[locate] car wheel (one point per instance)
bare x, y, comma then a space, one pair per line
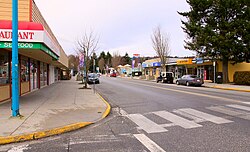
177, 82
187, 83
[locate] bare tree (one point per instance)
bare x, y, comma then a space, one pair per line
116, 59
101, 64
160, 42
87, 45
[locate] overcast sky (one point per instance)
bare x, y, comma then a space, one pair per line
122, 25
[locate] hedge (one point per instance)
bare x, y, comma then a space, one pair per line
242, 77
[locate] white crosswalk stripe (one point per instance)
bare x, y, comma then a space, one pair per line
146, 124
239, 107
151, 145
231, 112
177, 120
205, 116
248, 103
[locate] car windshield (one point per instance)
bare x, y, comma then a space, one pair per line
92, 75
193, 76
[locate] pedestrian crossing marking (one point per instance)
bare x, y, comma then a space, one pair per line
246, 103
148, 143
231, 112
205, 116
187, 124
146, 124
239, 107
192, 117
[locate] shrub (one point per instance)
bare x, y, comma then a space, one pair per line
242, 77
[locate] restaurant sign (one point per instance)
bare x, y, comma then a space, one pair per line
184, 61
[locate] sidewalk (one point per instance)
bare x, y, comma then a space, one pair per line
54, 109
243, 88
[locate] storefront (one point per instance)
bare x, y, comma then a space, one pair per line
40, 56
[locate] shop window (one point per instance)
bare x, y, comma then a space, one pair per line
24, 70
4, 68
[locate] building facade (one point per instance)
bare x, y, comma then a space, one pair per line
203, 68
41, 57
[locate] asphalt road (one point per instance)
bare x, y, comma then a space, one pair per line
150, 116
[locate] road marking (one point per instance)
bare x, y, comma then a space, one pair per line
148, 143
208, 117
184, 123
248, 103
239, 107
146, 124
196, 119
231, 112
19, 148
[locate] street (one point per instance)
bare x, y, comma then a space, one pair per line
150, 116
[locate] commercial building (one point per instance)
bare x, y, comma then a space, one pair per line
41, 57
197, 66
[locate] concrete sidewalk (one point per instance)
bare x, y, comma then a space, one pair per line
54, 109
243, 88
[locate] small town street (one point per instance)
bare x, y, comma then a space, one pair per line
150, 116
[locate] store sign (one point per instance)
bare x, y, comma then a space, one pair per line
26, 45
184, 61
30, 36
199, 61
20, 45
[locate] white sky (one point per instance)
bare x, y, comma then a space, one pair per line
122, 25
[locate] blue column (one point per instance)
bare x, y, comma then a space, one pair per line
15, 80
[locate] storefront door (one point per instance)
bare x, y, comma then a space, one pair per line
33, 75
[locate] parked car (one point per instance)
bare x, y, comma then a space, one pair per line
93, 78
166, 77
190, 80
113, 74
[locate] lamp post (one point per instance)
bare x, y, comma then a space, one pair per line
15, 83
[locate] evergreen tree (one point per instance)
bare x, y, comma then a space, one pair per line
219, 29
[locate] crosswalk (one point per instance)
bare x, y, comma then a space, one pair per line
189, 118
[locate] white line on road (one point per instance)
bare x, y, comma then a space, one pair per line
248, 103
196, 119
231, 112
146, 124
208, 117
19, 148
240, 107
148, 143
177, 120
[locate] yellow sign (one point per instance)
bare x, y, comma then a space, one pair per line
184, 61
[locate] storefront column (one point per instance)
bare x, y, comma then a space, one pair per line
48, 74
38, 74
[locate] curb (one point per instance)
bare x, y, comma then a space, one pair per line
234, 89
107, 111
51, 132
42, 134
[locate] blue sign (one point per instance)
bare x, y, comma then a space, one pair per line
199, 61
157, 64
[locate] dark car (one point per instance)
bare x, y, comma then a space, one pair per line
93, 78
190, 80
166, 77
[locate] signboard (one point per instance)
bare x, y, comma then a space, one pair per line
26, 45
30, 36
21, 45
184, 61
199, 61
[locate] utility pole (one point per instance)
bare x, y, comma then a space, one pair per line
15, 83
